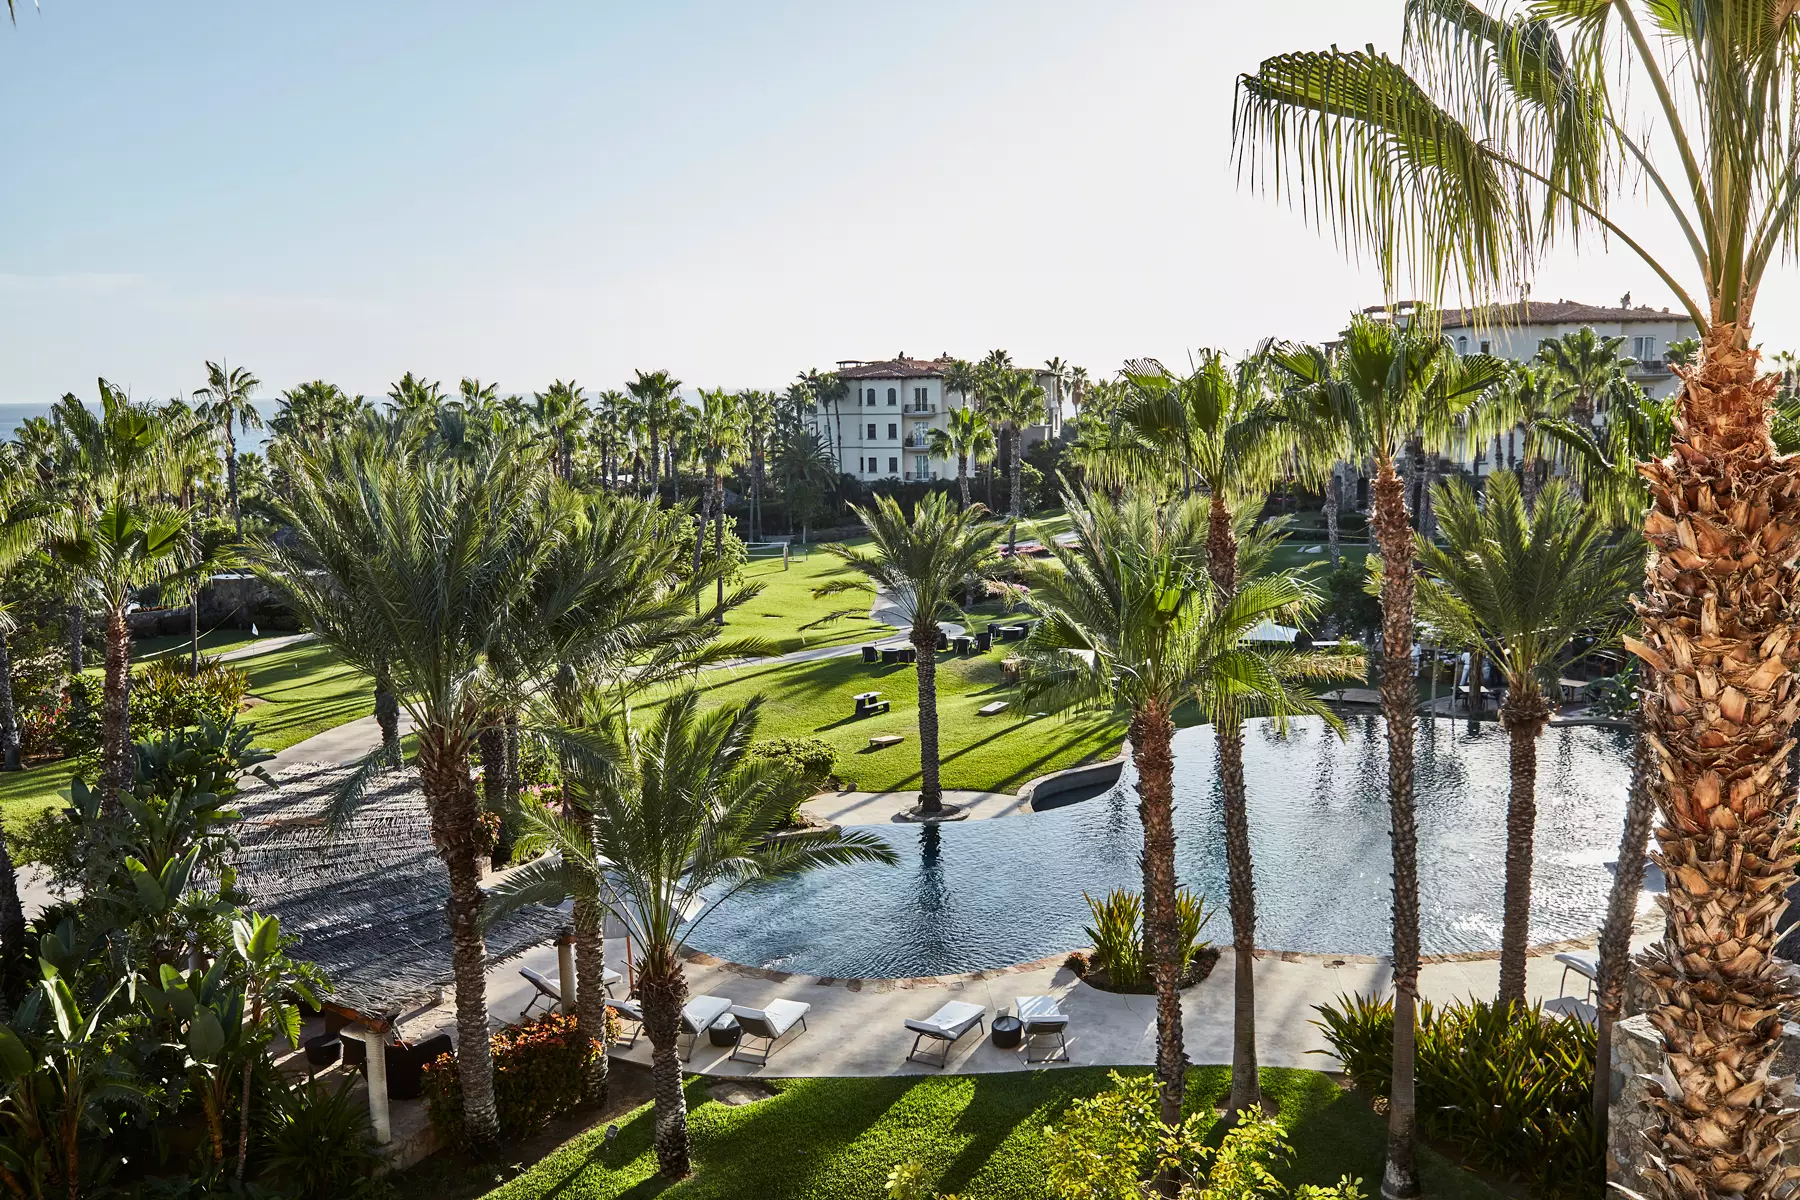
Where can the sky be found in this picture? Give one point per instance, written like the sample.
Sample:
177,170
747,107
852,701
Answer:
733,192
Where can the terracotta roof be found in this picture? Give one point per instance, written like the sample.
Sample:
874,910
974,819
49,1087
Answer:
894,368
1558,312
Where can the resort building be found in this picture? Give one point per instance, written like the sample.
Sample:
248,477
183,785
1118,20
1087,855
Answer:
881,428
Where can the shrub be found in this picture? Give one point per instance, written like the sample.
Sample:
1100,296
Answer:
537,1075
1509,1087
165,697
316,1144
1616,695
809,758
1118,937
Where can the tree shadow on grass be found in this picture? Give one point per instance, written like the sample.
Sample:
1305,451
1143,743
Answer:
999,1108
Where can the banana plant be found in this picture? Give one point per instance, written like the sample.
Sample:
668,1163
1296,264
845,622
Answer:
272,980
60,1079
205,1012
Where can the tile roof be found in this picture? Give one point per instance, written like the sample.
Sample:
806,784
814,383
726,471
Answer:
894,368
1558,312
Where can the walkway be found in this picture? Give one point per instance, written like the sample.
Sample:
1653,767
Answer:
266,645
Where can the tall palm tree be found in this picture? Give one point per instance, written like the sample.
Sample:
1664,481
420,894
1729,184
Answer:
1521,585
809,476
460,581
1587,365
1061,376
562,416
962,377
918,566
1015,400
226,401
656,393
721,433
1528,401
967,437
1133,626
1224,431
682,815
1498,132
1364,402
759,411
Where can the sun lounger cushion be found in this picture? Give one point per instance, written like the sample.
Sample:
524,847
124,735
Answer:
1582,964
1040,1012
544,986
627,1008
773,1021
949,1022
702,1011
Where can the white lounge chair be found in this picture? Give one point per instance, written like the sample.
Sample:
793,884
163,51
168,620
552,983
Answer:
542,992
1571,1009
767,1024
609,979
697,1015
1585,964
946,1026
1043,1017
628,1010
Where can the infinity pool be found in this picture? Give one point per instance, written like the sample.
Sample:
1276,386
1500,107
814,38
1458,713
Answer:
981,894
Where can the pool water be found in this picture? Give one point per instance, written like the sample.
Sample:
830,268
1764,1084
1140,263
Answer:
980,894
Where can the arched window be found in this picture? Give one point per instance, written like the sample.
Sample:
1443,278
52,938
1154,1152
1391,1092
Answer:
893,396
1462,344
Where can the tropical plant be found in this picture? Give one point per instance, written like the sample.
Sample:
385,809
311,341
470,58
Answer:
1364,401
968,438
25,511
316,1142
1015,400
539,1068
1521,586
722,435
562,416
1531,402
1500,132
225,401
809,476
657,394
1132,625
682,813
1587,366
918,566
1118,936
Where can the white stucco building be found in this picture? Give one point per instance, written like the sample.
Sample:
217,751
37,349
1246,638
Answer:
1516,331
880,430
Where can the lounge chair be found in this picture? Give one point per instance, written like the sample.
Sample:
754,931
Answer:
1044,1017
628,1010
767,1024
946,1026
542,992
1585,964
696,1015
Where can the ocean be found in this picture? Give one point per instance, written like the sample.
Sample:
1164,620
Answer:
14,415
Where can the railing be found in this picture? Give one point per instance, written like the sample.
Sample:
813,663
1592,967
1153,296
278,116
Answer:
1651,366
917,443
919,477
921,410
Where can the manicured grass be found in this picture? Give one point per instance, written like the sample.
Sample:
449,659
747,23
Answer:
981,1137
294,693
998,753
781,611
212,641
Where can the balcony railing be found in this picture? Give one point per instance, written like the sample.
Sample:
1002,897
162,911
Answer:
1650,366
917,443
921,410
919,477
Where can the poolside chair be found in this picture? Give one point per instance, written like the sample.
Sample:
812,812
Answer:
1585,964
1043,1017
628,1010
542,992
945,1027
767,1024
696,1016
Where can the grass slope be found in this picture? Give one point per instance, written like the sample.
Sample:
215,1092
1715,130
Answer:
981,753
295,693
981,1137
779,613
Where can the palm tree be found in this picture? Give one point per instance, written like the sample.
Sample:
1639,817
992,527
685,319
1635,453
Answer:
1223,427
962,377
759,410
1061,376
682,815
1521,585
1490,139
918,565
1016,401
314,412
24,520
809,477
720,431
226,401
1529,400
562,416
967,438
1586,365
1364,402
656,393
463,582
1133,626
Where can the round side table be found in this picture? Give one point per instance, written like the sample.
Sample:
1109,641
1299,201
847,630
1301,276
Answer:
1008,1032
724,1031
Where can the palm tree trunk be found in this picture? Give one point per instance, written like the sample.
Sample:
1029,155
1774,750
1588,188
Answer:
1015,469
1333,496
450,797
663,990
231,486
1718,633
931,791
590,984
655,465
1399,699
77,635
194,631
719,544
962,478
10,758
1621,913
1152,735
115,714
492,741
1523,714
387,716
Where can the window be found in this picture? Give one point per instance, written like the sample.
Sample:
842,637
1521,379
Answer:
893,430
1486,346
1643,349
922,466
871,433
893,395
1462,343
919,395
893,466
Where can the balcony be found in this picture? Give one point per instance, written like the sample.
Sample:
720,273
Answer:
919,477
916,442
1651,366
921,410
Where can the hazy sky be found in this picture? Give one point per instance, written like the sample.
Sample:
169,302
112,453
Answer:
731,191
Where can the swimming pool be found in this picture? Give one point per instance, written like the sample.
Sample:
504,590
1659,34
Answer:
981,894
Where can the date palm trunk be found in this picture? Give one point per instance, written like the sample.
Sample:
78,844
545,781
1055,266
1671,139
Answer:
663,990
1015,474
931,790
10,750
719,544
492,743
450,797
1720,635
1152,735
1333,497
962,478
1399,701
387,716
231,482
1246,1087
115,714
590,985
1621,913
1524,715
194,630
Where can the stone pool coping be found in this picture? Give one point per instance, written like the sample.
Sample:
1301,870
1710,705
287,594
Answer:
882,808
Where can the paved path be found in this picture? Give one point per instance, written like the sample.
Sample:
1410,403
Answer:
881,610
266,645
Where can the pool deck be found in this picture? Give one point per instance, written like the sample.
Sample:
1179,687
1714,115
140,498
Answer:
881,808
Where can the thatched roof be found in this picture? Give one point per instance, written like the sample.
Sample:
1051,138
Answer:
367,899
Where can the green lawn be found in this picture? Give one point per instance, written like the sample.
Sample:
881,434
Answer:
999,753
778,613
980,1136
176,645
294,693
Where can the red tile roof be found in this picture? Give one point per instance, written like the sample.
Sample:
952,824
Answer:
1558,312
894,368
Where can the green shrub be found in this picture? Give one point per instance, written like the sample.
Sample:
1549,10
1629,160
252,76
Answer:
1616,695
809,758
165,697
316,1144
1118,936
537,1075
1509,1087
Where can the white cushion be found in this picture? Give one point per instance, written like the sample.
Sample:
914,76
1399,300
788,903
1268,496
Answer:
702,1011
1040,1010
780,1016
1580,961
952,1020
540,983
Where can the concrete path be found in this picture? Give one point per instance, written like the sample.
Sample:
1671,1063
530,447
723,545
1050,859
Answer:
345,744
266,645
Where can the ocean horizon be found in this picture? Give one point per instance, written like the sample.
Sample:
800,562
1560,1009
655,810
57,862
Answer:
14,415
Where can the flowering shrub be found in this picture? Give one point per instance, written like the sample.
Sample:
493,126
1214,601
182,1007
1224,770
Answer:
537,1075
